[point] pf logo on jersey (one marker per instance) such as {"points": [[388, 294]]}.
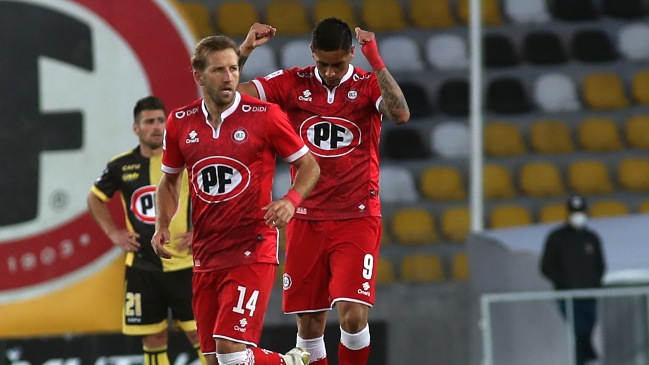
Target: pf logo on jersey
{"points": [[330, 136], [219, 178], [143, 204]]}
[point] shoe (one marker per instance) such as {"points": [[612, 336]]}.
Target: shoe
{"points": [[296, 356]]}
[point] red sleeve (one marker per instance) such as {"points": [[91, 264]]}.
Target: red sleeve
{"points": [[172, 159], [281, 136], [271, 87], [374, 90]]}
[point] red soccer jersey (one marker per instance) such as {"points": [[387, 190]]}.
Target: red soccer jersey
{"points": [[341, 127], [231, 171]]}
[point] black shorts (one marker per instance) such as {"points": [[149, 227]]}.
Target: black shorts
{"points": [[148, 297]]}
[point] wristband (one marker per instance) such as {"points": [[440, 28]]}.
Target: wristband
{"points": [[371, 52], [294, 197]]}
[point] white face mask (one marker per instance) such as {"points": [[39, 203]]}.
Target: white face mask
{"points": [[578, 220]]}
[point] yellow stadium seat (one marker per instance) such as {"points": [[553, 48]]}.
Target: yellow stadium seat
{"points": [[456, 223], [551, 137], [541, 179], [599, 134], [288, 16], [491, 13], [608, 208], [414, 226], [442, 183], [497, 182], [637, 131], [384, 272], [422, 268], [633, 174], [234, 18], [503, 139], [383, 15], [640, 84], [553, 212], [643, 208], [510, 215], [460, 267], [341, 9], [604, 90], [198, 17], [589, 177], [431, 14]]}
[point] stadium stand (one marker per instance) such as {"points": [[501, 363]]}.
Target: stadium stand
{"points": [[383, 15], [526, 11], [414, 226], [234, 18], [636, 131], [599, 134], [503, 139], [422, 268], [341, 9], [288, 16], [431, 14], [450, 139], [447, 51], [551, 137]]}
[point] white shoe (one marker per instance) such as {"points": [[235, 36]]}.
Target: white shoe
{"points": [[297, 356]]}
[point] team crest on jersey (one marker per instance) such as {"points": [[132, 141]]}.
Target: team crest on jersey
{"points": [[352, 94], [240, 135], [143, 204], [330, 136], [219, 178], [286, 281]]}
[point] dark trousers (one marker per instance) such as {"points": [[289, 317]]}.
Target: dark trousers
{"points": [[585, 315]]}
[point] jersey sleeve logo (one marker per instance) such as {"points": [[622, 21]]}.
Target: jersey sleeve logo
{"points": [[143, 204], [219, 178], [330, 136]]}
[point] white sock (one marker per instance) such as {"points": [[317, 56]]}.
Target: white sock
{"points": [[314, 346], [355, 341], [233, 358]]}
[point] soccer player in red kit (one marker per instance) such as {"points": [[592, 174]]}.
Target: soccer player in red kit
{"points": [[228, 143], [333, 241]]}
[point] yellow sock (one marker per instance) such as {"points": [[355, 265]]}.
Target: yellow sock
{"points": [[155, 356], [197, 347]]}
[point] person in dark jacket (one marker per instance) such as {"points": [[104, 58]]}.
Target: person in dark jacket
{"points": [[573, 258]]}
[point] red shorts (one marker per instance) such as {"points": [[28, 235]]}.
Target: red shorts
{"points": [[231, 303], [330, 261]]}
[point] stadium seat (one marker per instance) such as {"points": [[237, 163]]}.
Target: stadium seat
{"points": [[414, 226], [636, 131], [404, 143], [599, 134], [383, 15], [608, 208], [198, 18], [507, 95], [460, 267], [527, 11], [296, 53], [384, 272], [509, 215], [544, 48], [497, 182], [397, 185], [632, 41], [551, 137], [499, 51], [633, 174], [341, 9], [453, 97], [442, 183], [604, 90], [422, 268], [643, 208], [401, 53], [625, 9], [553, 212], [556, 92], [455, 224], [490, 10], [450, 139], [417, 98], [640, 87], [541, 179], [589, 177], [574, 10], [288, 16], [592, 45], [502, 139], [447, 52], [262, 63], [234, 18], [431, 14]]}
